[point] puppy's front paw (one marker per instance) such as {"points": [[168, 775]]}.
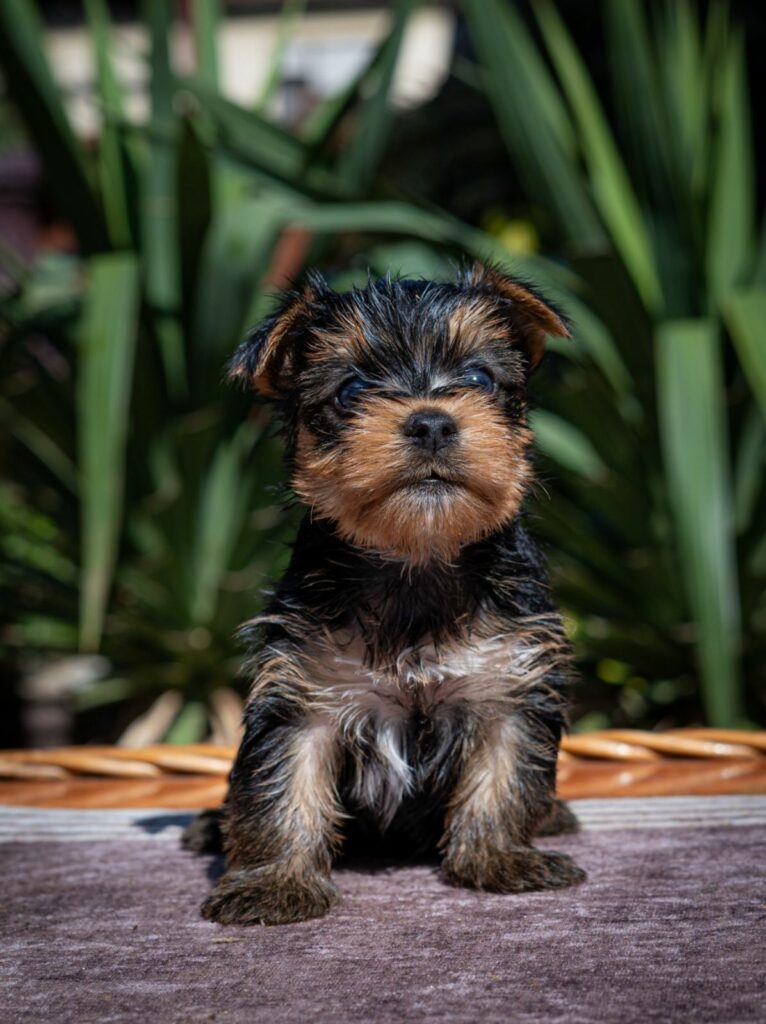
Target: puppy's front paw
{"points": [[266, 897], [510, 871]]}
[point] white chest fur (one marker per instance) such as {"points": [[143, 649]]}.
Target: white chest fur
{"points": [[372, 707], [425, 677]]}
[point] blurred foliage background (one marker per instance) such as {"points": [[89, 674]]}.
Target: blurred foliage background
{"points": [[139, 504]]}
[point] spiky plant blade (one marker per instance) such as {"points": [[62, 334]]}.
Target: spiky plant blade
{"points": [[112, 154], [749, 476], [746, 317], [686, 90], [276, 156], [289, 16], [691, 392], [106, 345], [234, 259], [634, 72], [732, 206], [205, 21], [361, 156], [223, 506], [159, 221], [612, 187], [514, 80], [566, 445]]}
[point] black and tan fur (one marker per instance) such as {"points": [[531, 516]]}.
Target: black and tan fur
{"points": [[410, 673]]}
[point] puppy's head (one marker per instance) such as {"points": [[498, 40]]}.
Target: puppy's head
{"points": [[405, 405]]}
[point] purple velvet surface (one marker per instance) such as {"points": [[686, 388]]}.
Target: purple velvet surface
{"points": [[670, 927]]}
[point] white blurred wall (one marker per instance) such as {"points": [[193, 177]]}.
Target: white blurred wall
{"points": [[325, 51]]}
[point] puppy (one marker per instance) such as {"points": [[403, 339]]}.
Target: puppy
{"points": [[410, 673]]}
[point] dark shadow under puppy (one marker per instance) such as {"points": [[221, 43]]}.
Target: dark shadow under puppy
{"points": [[410, 673], [204, 834]]}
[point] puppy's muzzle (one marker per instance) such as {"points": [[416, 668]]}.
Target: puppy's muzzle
{"points": [[430, 429]]}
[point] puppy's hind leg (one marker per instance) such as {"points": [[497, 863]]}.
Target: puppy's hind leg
{"points": [[560, 819]]}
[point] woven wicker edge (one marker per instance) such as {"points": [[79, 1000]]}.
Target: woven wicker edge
{"points": [[154, 762]]}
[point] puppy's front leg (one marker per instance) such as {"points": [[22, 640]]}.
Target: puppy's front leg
{"points": [[505, 789], [282, 824]]}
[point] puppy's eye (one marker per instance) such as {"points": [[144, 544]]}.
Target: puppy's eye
{"points": [[478, 377], [349, 393]]}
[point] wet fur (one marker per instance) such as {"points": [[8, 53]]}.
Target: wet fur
{"points": [[410, 673]]}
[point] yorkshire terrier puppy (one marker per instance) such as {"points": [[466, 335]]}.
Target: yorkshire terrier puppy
{"points": [[410, 672]]}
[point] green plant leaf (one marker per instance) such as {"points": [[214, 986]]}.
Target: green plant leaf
{"points": [[195, 203], [38, 441], [223, 507], [30, 84], [593, 337], [262, 146], [732, 204], [289, 17], [745, 317], [636, 88], [361, 155], [159, 221], [686, 90], [321, 123], [612, 188], [106, 340], [397, 218], [759, 268], [750, 467], [691, 391], [159, 207], [566, 445], [515, 80], [112, 155], [235, 258], [205, 22]]}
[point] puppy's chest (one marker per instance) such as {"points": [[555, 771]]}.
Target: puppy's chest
{"points": [[426, 678]]}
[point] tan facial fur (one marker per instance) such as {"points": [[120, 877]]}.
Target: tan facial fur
{"points": [[372, 484]]}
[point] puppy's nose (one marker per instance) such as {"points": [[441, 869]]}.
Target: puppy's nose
{"points": [[430, 429]]}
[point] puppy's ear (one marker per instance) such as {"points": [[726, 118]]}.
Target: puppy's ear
{"points": [[533, 317], [265, 361]]}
